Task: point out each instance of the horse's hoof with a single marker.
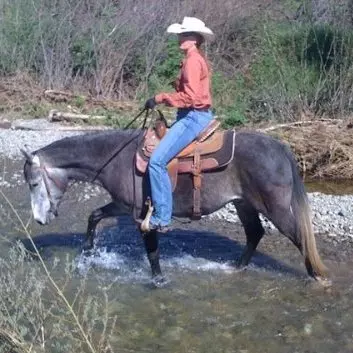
(88, 252)
(159, 281)
(320, 283)
(324, 282)
(240, 266)
(87, 245)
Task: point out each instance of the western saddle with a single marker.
(211, 150)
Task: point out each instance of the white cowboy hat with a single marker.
(191, 24)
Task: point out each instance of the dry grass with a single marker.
(17, 91)
(10, 342)
(21, 96)
(324, 149)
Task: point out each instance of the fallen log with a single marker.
(298, 123)
(58, 96)
(55, 115)
(61, 128)
(63, 96)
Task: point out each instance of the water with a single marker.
(207, 305)
(331, 187)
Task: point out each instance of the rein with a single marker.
(144, 110)
(117, 151)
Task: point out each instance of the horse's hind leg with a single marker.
(284, 221)
(254, 231)
(109, 210)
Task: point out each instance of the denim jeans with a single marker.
(187, 127)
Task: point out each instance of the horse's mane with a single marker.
(101, 138)
(100, 145)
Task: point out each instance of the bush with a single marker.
(230, 100)
(262, 69)
(166, 68)
(300, 67)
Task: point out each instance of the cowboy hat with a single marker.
(191, 24)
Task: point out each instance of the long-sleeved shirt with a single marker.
(192, 86)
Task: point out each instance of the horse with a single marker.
(262, 178)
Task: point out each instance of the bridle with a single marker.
(60, 186)
(57, 183)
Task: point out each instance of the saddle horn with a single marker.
(162, 118)
(160, 125)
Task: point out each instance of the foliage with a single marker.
(166, 68)
(36, 316)
(230, 101)
(79, 101)
(83, 57)
(301, 67)
(265, 66)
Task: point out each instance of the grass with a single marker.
(36, 291)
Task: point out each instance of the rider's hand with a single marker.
(150, 103)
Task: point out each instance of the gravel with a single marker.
(12, 140)
(332, 214)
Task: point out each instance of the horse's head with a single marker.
(47, 185)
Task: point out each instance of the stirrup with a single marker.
(145, 224)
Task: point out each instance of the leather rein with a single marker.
(118, 150)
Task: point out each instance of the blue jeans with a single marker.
(187, 127)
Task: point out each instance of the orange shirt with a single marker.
(193, 84)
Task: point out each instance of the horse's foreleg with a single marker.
(152, 248)
(109, 210)
(254, 231)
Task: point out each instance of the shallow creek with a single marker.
(207, 305)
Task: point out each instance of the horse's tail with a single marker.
(302, 214)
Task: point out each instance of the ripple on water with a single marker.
(126, 269)
(209, 306)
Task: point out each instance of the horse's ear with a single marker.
(28, 155)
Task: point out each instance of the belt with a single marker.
(203, 109)
(196, 109)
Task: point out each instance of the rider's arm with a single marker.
(191, 90)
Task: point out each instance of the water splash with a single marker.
(128, 269)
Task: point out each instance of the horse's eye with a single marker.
(34, 185)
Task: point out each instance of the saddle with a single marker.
(211, 150)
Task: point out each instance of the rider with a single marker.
(193, 100)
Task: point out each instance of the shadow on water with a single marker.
(126, 241)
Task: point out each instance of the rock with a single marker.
(308, 329)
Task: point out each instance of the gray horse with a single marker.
(262, 178)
